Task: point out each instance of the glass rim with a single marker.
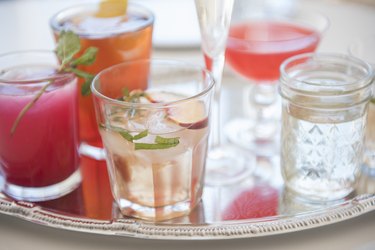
(34, 81)
(163, 105)
(366, 79)
(285, 18)
(54, 20)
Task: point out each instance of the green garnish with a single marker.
(373, 100)
(140, 135)
(132, 96)
(28, 106)
(150, 146)
(67, 47)
(126, 135)
(169, 141)
(159, 143)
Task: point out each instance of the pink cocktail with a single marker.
(272, 43)
(259, 41)
(38, 153)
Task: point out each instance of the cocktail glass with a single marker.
(364, 48)
(226, 164)
(155, 137)
(120, 38)
(38, 152)
(259, 41)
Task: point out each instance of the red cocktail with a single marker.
(271, 43)
(259, 41)
(39, 152)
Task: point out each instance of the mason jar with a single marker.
(324, 111)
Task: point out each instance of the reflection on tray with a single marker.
(261, 197)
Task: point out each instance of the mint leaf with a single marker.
(160, 143)
(151, 146)
(68, 46)
(125, 92)
(85, 89)
(87, 58)
(162, 140)
(140, 135)
(126, 135)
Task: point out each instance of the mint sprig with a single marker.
(159, 142)
(67, 48)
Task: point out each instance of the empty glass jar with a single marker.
(325, 99)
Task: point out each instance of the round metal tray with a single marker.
(258, 206)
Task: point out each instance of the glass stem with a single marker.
(264, 98)
(214, 18)
(217, 66)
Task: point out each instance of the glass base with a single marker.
(44, 193)
(227, 165)
(96, 153)
(316, 194)
(161, 213)
(263, 140)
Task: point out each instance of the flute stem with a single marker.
(216, 68)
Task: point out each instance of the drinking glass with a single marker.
(226, 164)
(155, 137)
(259, 41)
(324, 109)
(364, 48)
(120, 38)
(38, 152)
(124, 37)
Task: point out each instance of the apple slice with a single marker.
(190, 114)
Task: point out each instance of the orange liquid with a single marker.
(112, 50)
(96, 189)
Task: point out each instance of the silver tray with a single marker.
(258, 206)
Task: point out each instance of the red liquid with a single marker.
(43, 149)
(257, 49)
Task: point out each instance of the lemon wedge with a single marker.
(112, 8)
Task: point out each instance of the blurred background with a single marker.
(24, 23)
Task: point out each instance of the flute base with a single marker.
(261, 139)
(227, 165)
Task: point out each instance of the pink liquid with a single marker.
(43, 149)
(257, 49)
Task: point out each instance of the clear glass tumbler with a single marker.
(38, 137)
(155, 137)
(324, 111)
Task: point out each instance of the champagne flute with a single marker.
(226, 164)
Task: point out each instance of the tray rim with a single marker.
(135, 228)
